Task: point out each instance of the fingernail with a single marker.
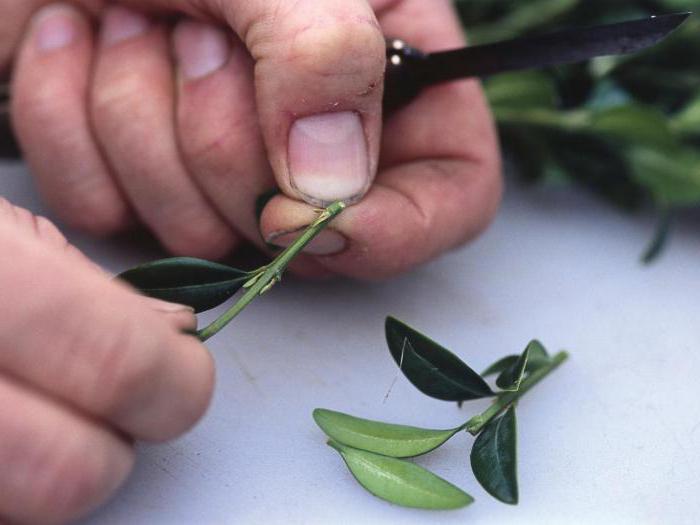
(168, 307)
(56, 27)
(201, 49)
(328, 242)
(120, 23)
(328, 157)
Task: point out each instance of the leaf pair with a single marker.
(372, 451)
(432, 369)
(200, 284)
(512, 369)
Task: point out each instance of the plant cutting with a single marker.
(205, 285)
(375, 451)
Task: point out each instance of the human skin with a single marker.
(86, 367)
(181, 126)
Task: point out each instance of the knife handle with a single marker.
(403, 83)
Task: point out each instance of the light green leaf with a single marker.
(688, 120)
(397, 441)
(634, 124)
(402, 482)
(673, 179)
(522, 90)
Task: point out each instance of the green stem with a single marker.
(503, 401)
(273, 272)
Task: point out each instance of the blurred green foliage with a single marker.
(627, 128)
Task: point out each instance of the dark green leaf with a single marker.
(203, 285)
(688, 120)
(494, 458)
(402, 482)
(512, 376)
(501, 365)
(397, 441)
(432, 369)
(538, 356)
(660, 240)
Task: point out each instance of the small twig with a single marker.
(273, 272)
(477, 423)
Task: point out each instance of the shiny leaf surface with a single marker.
(397, 441)
(432, 369)
(494, 458)
(511, 377)
(402, 482)
(203, 285)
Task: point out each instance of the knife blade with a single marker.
(409, 70)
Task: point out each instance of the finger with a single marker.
(25, 223)
(133, 115)
(13, 27)
(318, 68)
(182, 317)
(56, 465)
(96, 345)
(218, 128)
(439, 181)
(319, 72)
(49, 107)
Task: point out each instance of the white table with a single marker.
(611, 437)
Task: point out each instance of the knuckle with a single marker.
(189, 233)
(346, 45)
(212, 149)
(97, 214)
(349, 48)
(116, 96)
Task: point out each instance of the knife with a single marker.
(409, 70)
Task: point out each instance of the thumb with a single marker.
(319, 69)
(319, 81)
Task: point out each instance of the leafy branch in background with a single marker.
(374, 451)
(627, 128)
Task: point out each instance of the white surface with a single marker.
(611, 437)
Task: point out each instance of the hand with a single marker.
(86, 366)
(184, 128)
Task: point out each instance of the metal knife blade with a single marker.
(409, 70)
(565, 47)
